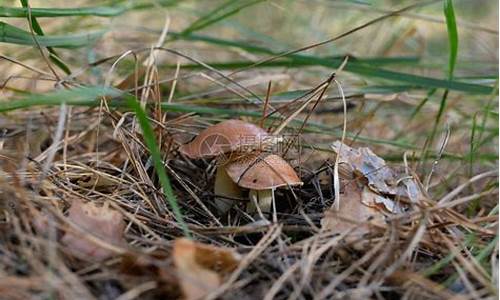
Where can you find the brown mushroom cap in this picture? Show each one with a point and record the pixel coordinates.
(224, 137)
(257, 172)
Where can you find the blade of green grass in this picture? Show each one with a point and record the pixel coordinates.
(421, 104)
(486, 251)
(90, 96)
(447, 259)
(451, 26)
(38, 30)
(219, 13)
(472, 148)
(479, 257)
(149, 138)
(473, 205)
(141, 5)
(487, 111)
(353, 66)
(14, 35)
(231, 65)
(293, 95)
(85, 96)
(100, 11)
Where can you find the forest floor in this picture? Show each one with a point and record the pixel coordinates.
(388, 115)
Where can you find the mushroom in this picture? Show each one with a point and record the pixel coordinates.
(219, 140)
(262, 173)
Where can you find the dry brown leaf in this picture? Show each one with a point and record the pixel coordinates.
(381, 178)
(157, 265)
(101, 222)
(200, 268)
(353, 214)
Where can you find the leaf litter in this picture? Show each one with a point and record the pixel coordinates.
(380, 177)
(141, 248)
(369, 193)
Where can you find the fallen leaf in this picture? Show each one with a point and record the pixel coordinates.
(157, 265)
(200, 268)
(101, 222)
(381, 178)
(352, 214)
(372, 199)
(411, 190)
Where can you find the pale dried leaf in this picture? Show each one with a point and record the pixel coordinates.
(200, 268)
(353, 214)
(411, 190)
(381, 178)
(372, 199)
(101, 222)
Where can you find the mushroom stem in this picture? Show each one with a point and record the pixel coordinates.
(225, 187)
(264, 200)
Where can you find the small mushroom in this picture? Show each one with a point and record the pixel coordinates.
(219, 140)
(262, 174)
(224, 137)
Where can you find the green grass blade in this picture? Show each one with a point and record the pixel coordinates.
(34, 23)
(38, 30)
(149, 138)
(472, 149)
(451, 25)
(141, 5)
(446, 260)
(85, 96)
(100, 11)
(353, 66)
(486, 112)
(421, 81)
(473, 205)
(221, 12)
(479, 258)
(14, 35)
(231, 65)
